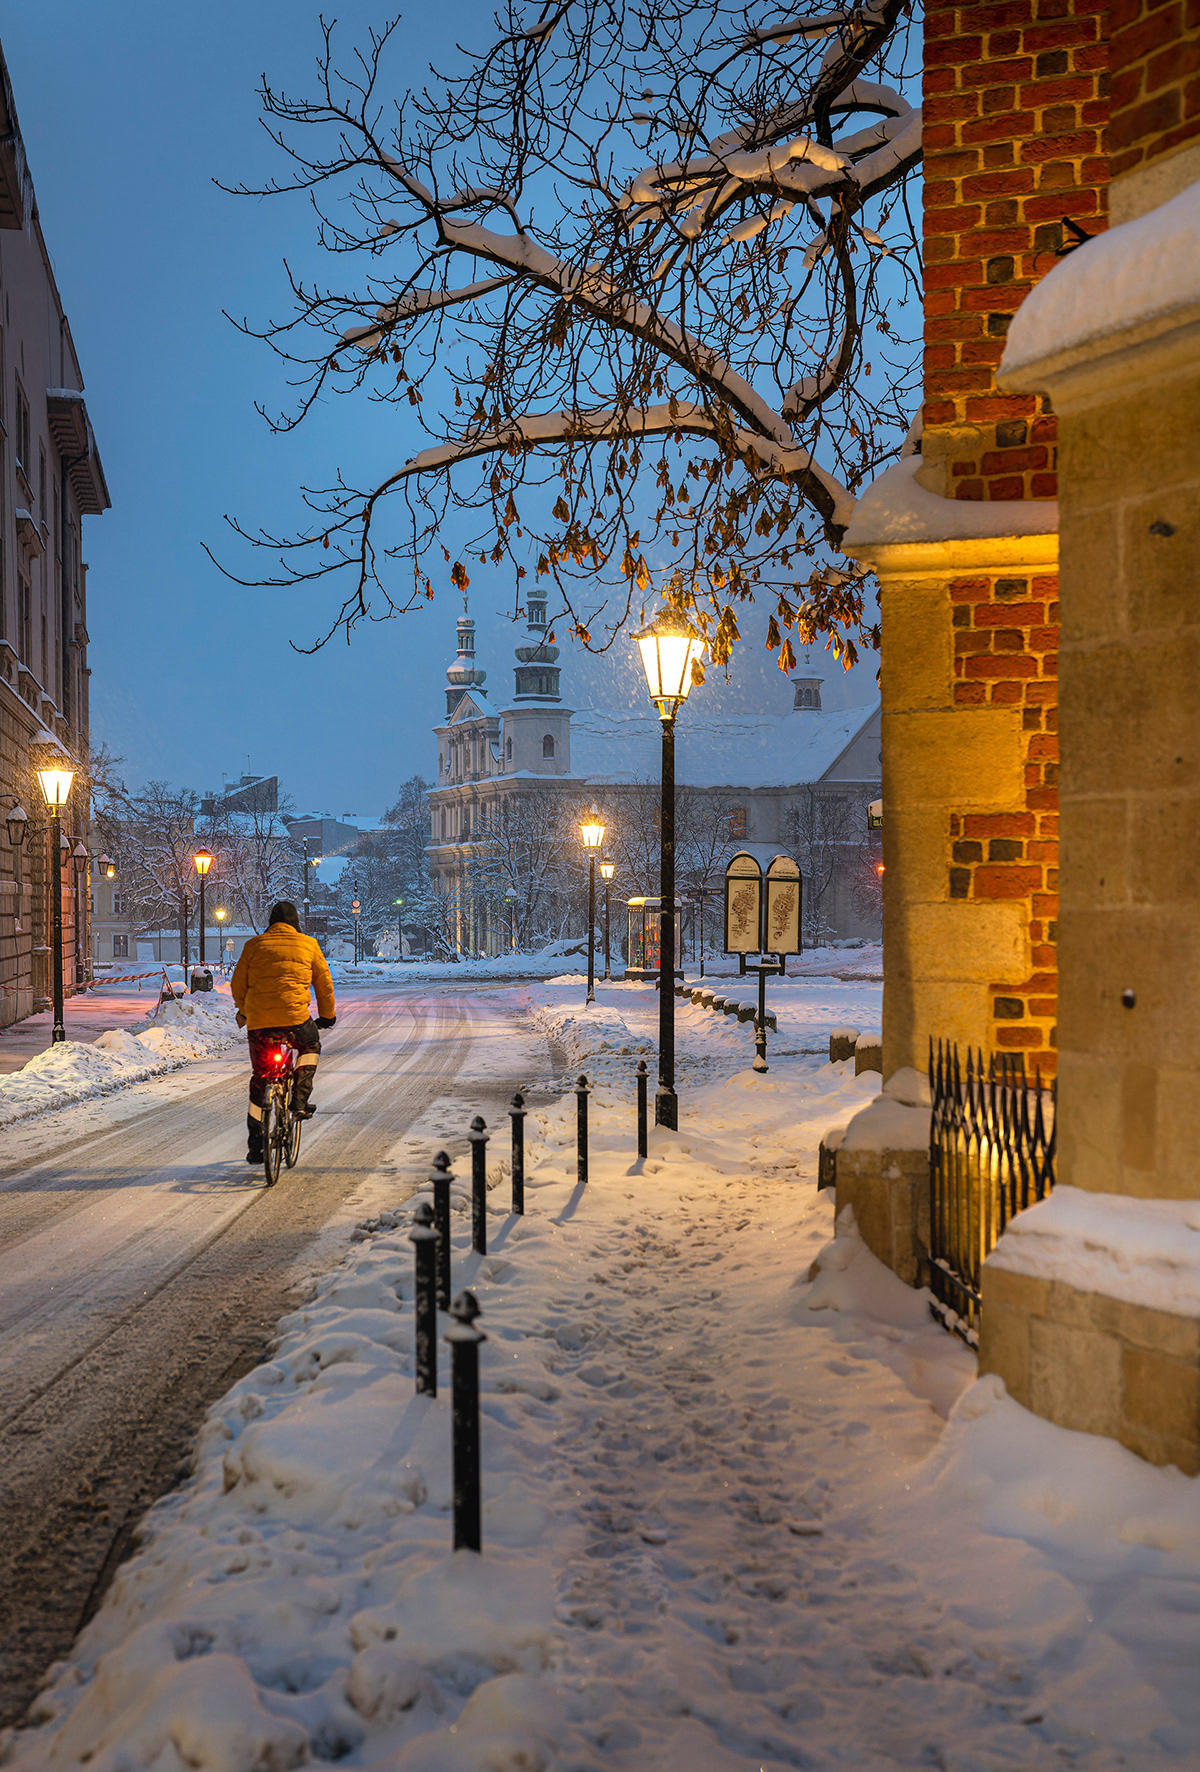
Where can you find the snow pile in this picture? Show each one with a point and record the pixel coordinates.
(184, 1029)
(744, 1507)
(896, 508)
(545, 963)
(1145, 1252)
(1145, 270)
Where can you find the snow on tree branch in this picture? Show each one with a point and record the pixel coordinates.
(638, 272)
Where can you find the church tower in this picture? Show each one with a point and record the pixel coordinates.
(464, 674)
(537, 728)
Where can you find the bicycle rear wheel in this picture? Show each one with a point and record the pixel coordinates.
(274, 1131)
(291, 1148)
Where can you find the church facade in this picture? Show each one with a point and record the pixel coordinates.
(797, 780)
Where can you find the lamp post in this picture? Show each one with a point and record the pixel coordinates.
(80, 858)
(399, 903)
(203, 861)
(220, 914)
(304, 840)
(592, 832)
(356, 909)
(56, 785)
(670, 648)
(607, 870)
(510, 899)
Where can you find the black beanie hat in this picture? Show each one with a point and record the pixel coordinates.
(284, 912)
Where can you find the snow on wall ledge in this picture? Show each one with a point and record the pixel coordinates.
(895, 508)
(1141, 271)
(1143, 1252)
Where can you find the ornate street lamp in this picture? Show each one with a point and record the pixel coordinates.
(592, 832)
(356, 911)
(510, 899)
(55, 784)
(220, 914)
(607, 870)
(107, 866)
(671, 647)
(16, 823)
(81, 858)
(399, 904)
(202, 861)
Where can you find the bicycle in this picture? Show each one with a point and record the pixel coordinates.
(280, 1123)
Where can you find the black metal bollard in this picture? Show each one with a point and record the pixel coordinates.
(464, 1341)
(479, 1143)
(643, 1079)
(581, 1128)
(760, 1025)
(516, 1114)
(424, 1239)
(441, 1179)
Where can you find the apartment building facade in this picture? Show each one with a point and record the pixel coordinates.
(50, 479)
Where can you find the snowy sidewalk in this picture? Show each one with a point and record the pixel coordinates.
(726, 1525)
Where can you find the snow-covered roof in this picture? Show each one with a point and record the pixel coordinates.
(741, 750)
(1144, 270)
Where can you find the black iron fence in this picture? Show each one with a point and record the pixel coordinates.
(991, 1154)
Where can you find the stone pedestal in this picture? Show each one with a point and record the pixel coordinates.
(889, 1191)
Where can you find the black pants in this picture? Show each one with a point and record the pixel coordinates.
(307, 1039)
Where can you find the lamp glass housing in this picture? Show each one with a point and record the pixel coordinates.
(17, 825)
(55, 785)
(220, 915)
(592, 830)
(607, 869)
(669, 646)
(203, 861)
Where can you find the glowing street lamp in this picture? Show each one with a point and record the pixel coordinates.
(107, 866)
(592, 831)
(607, 870)
(671, 649)
(220, 914)
(202, 861)
(55, 784)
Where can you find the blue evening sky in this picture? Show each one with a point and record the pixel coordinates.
(129, 111)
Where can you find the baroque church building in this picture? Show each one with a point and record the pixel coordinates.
(797, 779)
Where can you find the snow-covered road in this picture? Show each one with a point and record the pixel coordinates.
(144, 1265)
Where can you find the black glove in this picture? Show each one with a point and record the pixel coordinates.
(326, 1021)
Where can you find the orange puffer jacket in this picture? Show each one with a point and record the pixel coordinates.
(273, 978)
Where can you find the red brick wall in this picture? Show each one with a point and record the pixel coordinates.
(1154, 57)
(1015, 109)
(1006, 655)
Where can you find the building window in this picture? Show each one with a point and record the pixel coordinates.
(118, 904)
(508, 750)
(25, 619)
(547, 746)
(23, 461)
(120, 947)
(443, 824)
(737, 822)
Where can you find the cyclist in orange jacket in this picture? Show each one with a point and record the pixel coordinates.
(272, 982)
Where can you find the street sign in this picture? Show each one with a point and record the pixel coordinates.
(743, 905)
(781, 921)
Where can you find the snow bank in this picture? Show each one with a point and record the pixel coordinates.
(1141, 1251)
(894, 508)
(1144, 270)
(184, 1029)
(549, 963)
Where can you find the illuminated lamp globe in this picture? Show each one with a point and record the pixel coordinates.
(670, 646)
(55, 785)
(607, 869)
(203, 861)
(591, 829)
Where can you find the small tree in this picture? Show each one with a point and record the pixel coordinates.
(627, 267)
(151, 836)
(829, 834)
